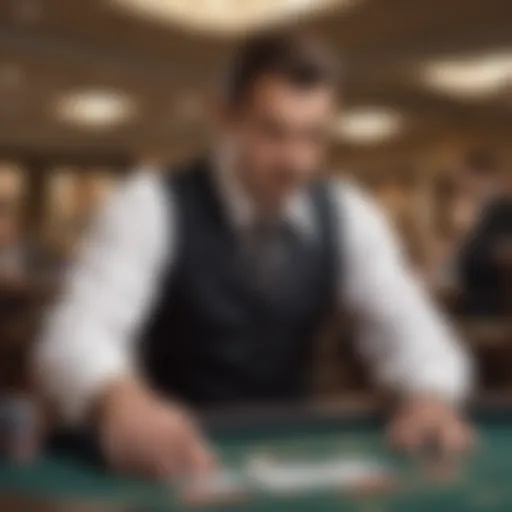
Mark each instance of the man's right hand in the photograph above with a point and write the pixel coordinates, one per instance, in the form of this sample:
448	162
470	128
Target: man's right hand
146	436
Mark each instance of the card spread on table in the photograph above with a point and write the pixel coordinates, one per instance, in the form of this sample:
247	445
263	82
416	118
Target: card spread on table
316	476
267	474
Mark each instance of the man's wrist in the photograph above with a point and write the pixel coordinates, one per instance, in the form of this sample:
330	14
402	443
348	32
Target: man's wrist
125	390
430	401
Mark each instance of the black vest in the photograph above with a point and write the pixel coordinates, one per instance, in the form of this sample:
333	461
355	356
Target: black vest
213	338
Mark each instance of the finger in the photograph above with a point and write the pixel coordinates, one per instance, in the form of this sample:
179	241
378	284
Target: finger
455	439
201	459
200	456
185	450
174	451
414	440
407	436
165	459
156	447
138	460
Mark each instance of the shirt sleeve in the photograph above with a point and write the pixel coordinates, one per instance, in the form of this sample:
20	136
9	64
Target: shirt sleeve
406	339
89	335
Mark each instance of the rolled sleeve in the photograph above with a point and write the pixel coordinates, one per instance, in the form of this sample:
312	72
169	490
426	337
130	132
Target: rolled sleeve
88	338
408	341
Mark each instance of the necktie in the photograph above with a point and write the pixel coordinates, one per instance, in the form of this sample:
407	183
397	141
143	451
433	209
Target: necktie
266	250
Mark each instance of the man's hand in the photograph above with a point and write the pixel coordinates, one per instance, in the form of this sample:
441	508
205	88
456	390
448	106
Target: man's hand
145	436
429	422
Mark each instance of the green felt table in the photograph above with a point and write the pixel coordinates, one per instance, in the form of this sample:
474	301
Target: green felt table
67	471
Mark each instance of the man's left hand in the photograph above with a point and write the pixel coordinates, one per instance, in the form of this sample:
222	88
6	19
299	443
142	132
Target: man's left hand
426	421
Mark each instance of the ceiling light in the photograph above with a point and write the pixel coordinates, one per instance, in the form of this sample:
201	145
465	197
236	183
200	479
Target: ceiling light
225	15
95	108
470	77
368	125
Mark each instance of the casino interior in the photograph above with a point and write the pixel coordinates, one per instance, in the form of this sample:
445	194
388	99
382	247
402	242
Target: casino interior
93	90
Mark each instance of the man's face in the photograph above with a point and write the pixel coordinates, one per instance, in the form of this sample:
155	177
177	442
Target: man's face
279	135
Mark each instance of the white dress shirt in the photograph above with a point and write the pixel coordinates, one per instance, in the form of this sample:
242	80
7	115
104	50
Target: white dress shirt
89	338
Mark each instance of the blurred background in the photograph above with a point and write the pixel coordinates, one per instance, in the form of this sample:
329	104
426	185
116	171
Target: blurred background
91	90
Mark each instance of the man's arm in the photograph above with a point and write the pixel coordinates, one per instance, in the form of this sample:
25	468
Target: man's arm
86	362
88	337
411	346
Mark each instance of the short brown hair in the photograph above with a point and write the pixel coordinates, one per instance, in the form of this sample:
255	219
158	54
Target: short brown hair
302	59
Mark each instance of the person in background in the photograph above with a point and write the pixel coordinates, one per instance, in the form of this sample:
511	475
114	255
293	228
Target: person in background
21	266
204	287
484	257
13	255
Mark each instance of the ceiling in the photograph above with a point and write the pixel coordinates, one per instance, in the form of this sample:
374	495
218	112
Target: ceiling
49	48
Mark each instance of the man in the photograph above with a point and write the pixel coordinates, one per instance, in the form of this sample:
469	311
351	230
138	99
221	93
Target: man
230	266
484	256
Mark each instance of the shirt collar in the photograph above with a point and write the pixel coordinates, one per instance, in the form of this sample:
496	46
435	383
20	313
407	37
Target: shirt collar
242	212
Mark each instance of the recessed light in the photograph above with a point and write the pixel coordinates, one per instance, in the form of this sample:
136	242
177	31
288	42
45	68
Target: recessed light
95	108
368	125
470	77
230	16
